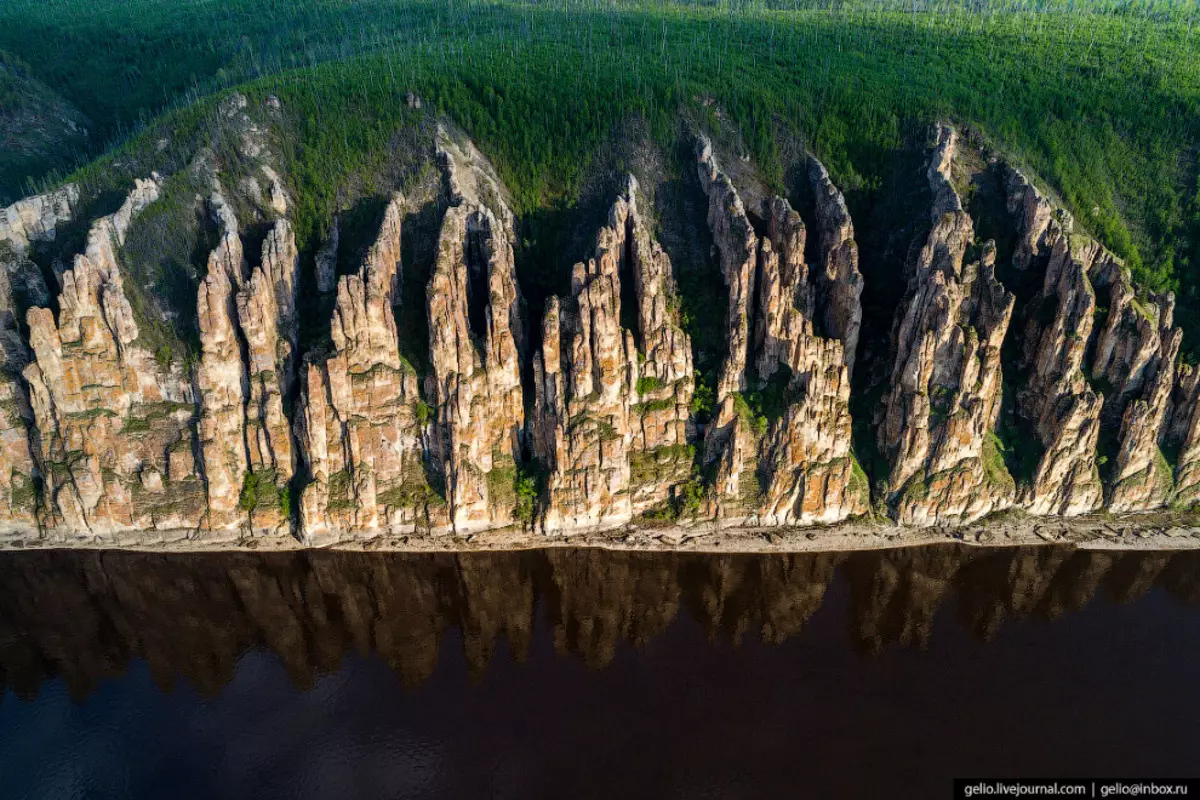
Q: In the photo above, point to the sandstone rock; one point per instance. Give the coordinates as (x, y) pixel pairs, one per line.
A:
(805, 470)
(839, 282)
(94, 391)
(1142, 479)
(799, 470)
(1064, 410)
(1142, 386)
(1128, 344)
(358, 425)
(18, 496)
(475, 344)
(1132, 358)
(737, 248)
(1038, 226)
(266, 316)
(944, 397)
(611, 418)
(1183, 433)
(221, 379)
(36, 219)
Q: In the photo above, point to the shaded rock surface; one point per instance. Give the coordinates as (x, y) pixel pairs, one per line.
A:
(940, 411)
(358, 425)
(475, 346)
(800, 469)
(611, 417)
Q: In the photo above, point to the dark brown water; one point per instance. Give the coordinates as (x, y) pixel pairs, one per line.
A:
(579, 674)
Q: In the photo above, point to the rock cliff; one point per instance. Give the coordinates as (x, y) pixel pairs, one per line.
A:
(359, 427)
(592, 420)
(475, 347)
(797, 469)
(113, 426)
(940, 411)
(612, 405)
(1062, 405)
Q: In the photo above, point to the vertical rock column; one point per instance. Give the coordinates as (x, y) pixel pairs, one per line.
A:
(1135, 355)
(94, 388)
(941, 406)
(1038, 229)
(1183, 434)
(839, 282)
(612, 419)
(660, 453)
(800, 470)
(805, 469)
(1056, 397)
(266, 311)
(729, 443)
(358, 427)
(221, 378)
(26, 221)
(474, 330)
(588, 393)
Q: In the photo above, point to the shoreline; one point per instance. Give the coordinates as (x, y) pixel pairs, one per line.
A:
(1162, 530)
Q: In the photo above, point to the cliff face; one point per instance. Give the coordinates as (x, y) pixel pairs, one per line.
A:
(940, 411)
(799, 470)
(358, 426)
(612, 405)
(1064, 408)
(109, 419)
(103, 440)
(475, 344)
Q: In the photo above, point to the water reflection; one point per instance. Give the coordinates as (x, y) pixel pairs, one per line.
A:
(83, 616)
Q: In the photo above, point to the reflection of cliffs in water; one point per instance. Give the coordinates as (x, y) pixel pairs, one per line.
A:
(83, 615)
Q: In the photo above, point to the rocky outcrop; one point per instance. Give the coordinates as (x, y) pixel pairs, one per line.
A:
(102, 440)
(266, 308)
(359, 425)
(113, 425)
(1135, 354)
(940, 411)
(1063, 408)
(1129, 343)
(1038, 226)
(737, 251)
(612, 405)
(839, 282)
(805, 469)
(475, 344)
(222, 383)
(1142, 478)
(1182, 435)
(36, 219)
(799, 470)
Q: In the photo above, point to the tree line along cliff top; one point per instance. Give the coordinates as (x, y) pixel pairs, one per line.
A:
(1100, 101)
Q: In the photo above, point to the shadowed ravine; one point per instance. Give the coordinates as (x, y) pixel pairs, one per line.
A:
(571, 673)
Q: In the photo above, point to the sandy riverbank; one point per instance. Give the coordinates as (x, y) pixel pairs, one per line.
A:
(1167, 530)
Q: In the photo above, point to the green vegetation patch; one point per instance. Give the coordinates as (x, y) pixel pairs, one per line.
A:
(260, 491)
(341, 495)
(653, 467)
(648, 383)
(994, 467)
